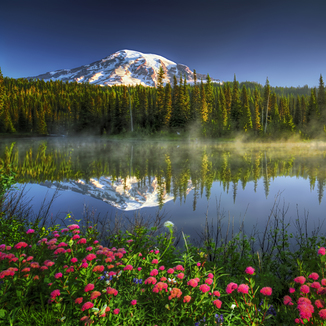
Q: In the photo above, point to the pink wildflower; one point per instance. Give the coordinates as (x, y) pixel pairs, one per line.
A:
(90, 257)
(116, 311)
(161, 268)
(128, 268)
(58, 275)
(250, 270)
(153, 272)
(179, 268)
(217, 293)
(170, 271)
(87, 305)
(180, 276)
(98, 269)
(210, 275)
(291, 290)
(231, 287)
(314, 276)
(300, 280)
(154, 261)
(89, 287)
(95, 294)
(322, 314)
(217, 303)
(319, 303)
(55, 293)
(305, 289)
(20, 245)
(186, 298)
(287, 299)
(74, 260)
(73, 227)
(321, 251)
(243, 288)
(192, 283)
(133, 302)
(266, 291)
(82, 241)
(209, 281)
(79, 300)
(30, 231)
(204, 288)
(315, 285)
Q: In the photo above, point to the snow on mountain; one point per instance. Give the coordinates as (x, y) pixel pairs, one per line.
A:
(123, 194)
(125, 67)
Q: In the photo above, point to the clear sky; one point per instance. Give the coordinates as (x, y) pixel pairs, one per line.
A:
(254, 39)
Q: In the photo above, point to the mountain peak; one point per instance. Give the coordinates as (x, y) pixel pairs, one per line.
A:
(124, 67)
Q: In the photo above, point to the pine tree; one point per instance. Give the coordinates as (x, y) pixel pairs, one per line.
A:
(245, 119)
(321, 102)
(266, 103)
(297, 114)
(303, 109)
(175, 103)
(209, 97)
(257, 125)
(2, 95)
(167, 105)
(159, 98)
(236, 111)
(312, 112)
(222, 112)
(195, 100)
(203, 104)
(185, 107)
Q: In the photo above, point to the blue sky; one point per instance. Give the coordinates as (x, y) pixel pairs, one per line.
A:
(281, 40)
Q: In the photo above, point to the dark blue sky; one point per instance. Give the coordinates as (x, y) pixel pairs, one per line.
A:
(284, 40)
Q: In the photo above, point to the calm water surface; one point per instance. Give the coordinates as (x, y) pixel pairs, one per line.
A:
(185, 180)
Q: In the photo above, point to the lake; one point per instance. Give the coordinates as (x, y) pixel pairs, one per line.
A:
(190, 182)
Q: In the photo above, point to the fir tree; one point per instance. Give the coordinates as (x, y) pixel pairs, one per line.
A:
(159, 98)
(236, 111)
(167, 105)
(245, 120)
(195, 100)
(321, 101)
(257, 125)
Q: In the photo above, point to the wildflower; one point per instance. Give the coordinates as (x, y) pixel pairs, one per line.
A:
(116, 311)
(76, 236)
(321, 251)
(180, 276)
(266, 291)
(306, 310)
(73, 227)
(209, 281)
(90, 257)
(150, 280)
(153, 272)
(170, 271)
(250, 270)
(217, 303)
(179, 268)
(59, 251)
(319, 303)
(35, 265)
(161, 268)
(95, 242)
(139, 269)
(169, 225)
(163, 279)
(25, 270)
(133, 302)
(186, 298)
(98, 269)
(30, 231)
(233, 306)
(314, 276)
(87, 305)
(305, 289)
(20, 245)
(43, 268)
(70, 269)
(287, 299)
(89, 248)
(79, 300)
(315, 285)
(175, 293)
(84, 265)
(300, 279)
(323, 281)
(58, 275)
(74, 260)
(128, 268)
(231, 287)
(291, 290)
(110, 290)
(210, 275)
(198, 264)
(55, 293)
(217, 293)
(160, 286)
(322, 314)
(204, 288)
(49, 263)
(243, 288)
(95, 294)
(130, 240)
(89, 287)
(82, 241)
(154, 261)
(62, 244)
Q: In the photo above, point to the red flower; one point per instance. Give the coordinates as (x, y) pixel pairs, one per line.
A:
(266, 291)
(95, 294)
(79, 300)
(250, 270)
(89, 287)
(243, 288)
(90, 257)
(87, 305)
(217, 303)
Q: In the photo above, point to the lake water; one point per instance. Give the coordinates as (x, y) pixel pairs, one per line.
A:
(186, 180)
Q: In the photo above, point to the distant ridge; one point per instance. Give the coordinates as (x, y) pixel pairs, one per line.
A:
(125, 67)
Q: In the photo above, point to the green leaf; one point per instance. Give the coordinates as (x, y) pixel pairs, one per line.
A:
(2, 313)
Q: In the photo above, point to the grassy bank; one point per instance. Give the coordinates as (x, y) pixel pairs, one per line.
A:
(28, 297)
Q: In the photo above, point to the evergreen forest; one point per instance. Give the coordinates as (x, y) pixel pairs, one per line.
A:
(208, 110)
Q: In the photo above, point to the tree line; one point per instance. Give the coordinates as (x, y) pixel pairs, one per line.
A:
(210, 109)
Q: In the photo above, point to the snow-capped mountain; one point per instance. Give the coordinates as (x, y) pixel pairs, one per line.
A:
(125, 67)
(125, 196)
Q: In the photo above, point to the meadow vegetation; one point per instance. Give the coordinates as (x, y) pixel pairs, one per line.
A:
(88, 273)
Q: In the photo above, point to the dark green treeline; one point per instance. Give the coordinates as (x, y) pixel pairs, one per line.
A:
(173, 167)
(209, 109)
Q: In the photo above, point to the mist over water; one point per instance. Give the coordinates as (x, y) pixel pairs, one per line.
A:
(187, 180)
